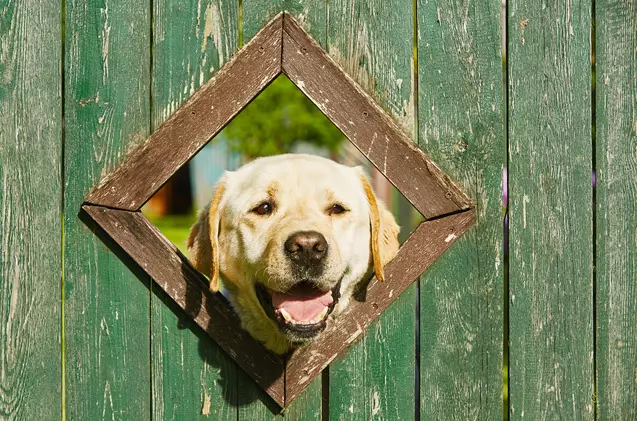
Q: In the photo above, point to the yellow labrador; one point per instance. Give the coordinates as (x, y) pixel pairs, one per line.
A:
(289, 238)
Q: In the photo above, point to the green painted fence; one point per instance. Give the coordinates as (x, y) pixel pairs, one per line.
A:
(547, 90)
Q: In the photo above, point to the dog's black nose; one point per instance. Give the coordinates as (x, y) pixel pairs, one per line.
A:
(306, 247)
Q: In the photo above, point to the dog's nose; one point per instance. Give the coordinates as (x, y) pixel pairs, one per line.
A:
(306, 247)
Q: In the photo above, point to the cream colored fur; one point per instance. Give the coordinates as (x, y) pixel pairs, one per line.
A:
(250, 246)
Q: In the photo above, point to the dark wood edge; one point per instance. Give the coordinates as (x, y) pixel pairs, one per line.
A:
(426, 244)
(367, 125)
(173, 273)
(199, 119)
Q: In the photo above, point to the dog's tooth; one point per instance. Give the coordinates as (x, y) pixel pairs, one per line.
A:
(319, 317)
(286, 315)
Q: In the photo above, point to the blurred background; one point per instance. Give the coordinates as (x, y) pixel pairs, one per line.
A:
(280, 120)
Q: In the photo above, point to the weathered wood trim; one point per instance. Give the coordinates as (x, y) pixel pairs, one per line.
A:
(173, 273)
(421, 249)
(367, 125)
(282, 45)
(197, 121)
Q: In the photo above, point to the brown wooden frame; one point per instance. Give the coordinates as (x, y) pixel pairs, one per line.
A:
(282, 46)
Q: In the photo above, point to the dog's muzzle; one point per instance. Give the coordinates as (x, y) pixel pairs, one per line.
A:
(302, 311)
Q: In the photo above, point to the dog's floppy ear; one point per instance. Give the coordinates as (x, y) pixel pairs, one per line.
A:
(203, 241)
(384, 231)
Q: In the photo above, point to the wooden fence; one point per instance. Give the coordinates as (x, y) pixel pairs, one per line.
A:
(86, 337)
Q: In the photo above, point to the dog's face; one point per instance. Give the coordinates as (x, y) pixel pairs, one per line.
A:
(291, 236)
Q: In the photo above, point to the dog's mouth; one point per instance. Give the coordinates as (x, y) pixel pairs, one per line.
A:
(302, 311)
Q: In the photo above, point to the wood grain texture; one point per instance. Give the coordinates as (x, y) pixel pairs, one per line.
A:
(192, 376)
(461, 126)
(372, 41)
(305, 406)
(311, 15)
(420, 250)
(191, 126)
(616, 213)
(551, 254)
(30, 210)
(171, 271)
(367, 126)
(107, 310)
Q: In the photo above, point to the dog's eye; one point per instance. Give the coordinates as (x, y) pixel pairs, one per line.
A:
(335, 210)
(264, 208)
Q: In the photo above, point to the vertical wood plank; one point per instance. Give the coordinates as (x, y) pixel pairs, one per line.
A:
(461, 114)
(551, 254)
(310, 14)
(30, 210)
(373, 42)
(107, 310)
(192, 377)
(616, 213)
(255, 404)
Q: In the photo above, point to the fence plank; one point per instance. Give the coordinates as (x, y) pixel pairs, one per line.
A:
(550, 152)
(106, 113)
(616, 206)
(461, 114)
(373, 42)
(311, 14)
(192, 377)
(30, 210)
(258, 406)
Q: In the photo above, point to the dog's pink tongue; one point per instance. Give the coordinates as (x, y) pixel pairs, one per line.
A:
(302, 303)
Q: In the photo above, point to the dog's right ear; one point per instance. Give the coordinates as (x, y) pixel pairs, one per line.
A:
(203, 241)
(384, 231)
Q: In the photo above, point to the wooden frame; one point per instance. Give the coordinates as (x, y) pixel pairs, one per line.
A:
(282, 46)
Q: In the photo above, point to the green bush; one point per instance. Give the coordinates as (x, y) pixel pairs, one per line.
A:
(277, 119)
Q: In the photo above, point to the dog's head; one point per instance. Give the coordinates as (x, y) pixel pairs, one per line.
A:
(290, 237)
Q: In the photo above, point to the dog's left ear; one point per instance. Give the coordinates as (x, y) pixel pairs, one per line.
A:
(203, 241)
(384, 230)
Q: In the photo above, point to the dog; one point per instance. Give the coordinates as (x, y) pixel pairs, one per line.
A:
(288, 238)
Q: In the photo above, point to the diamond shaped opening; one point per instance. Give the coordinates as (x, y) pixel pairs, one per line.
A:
(282, 46)
(280, 120)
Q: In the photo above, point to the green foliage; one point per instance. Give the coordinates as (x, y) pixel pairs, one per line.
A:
(280, 117)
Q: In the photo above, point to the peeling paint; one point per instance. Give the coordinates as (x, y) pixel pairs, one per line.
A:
(205, 409)
(523, 25)
(525, 200)
(104, 326)
(212, 29)
(375, 403)
(106, 35)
